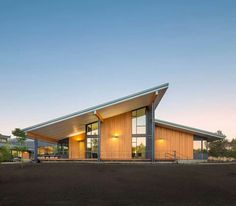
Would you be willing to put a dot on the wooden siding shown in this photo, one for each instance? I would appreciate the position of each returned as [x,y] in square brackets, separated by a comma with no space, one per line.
[116,148]
[168,140]
[41,137]
[77,147]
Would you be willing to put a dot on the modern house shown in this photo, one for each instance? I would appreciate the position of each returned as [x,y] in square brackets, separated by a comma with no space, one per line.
[123,129]
[3,139]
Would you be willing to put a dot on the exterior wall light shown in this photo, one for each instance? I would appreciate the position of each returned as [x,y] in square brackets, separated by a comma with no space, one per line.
[160,139]
[115,136]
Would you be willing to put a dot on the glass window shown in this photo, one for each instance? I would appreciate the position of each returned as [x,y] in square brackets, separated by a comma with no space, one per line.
[139,121]
[138,147]
[141,130]
[92,129]
[92,147]
[89,129]
[139,133]
[92,140]
[134,126]
[95,128]
[63,148]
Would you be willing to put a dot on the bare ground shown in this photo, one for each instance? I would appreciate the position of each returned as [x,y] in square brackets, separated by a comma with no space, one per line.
[117,184]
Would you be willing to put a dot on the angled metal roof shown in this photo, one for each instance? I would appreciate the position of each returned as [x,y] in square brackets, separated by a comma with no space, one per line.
[196,132]
[99,107]
[4,136]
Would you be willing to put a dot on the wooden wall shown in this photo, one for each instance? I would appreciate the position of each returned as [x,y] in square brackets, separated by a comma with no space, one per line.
[77,146]
[168,140]
[116,148]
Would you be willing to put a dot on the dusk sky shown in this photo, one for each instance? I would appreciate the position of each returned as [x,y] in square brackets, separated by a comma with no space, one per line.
[58,57]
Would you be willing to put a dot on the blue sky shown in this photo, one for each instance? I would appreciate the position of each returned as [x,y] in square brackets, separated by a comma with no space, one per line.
[57,57]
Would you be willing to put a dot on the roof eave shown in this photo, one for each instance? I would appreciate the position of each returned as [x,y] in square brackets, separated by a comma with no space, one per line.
[94,108]
[195,131]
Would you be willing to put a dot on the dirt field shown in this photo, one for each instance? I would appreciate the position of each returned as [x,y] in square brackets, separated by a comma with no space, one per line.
[116,184]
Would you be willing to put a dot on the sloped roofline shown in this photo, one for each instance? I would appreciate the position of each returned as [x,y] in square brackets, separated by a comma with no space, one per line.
[94,108]
[192,130]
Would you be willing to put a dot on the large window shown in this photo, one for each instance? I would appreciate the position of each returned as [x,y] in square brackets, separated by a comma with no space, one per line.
[92,140]
[63,148]
[139,121]
[139,133]
[92,129]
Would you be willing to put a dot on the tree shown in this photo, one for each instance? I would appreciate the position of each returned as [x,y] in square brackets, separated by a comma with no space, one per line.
[20,138]
[233,144]
[218,148]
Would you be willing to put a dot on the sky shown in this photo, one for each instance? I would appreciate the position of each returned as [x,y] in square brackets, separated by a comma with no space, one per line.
[58,57]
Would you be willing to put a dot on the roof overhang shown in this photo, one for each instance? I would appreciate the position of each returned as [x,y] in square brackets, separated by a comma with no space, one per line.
[197,133]
[74,123]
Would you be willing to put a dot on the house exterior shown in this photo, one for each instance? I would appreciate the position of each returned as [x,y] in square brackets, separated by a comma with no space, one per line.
[123,129]
[3,139]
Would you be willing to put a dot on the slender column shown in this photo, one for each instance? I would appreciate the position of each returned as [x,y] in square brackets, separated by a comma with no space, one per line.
[153,133]
[99,140]
[207,149]
[35,150]
[150,133]
[202,148]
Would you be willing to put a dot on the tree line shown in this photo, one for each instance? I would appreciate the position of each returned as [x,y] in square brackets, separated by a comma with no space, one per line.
[223,148]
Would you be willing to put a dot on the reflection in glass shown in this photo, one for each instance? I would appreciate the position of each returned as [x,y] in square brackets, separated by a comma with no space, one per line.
[92,147]
[138,147]
[139,133]
[92,140]
[92,129]
[139,121]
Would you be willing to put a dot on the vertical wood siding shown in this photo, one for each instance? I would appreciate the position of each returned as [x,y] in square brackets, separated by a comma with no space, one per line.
[77,147]
[167,141]
[116,148]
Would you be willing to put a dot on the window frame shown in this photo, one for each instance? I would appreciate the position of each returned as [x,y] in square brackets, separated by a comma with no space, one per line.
[136,134]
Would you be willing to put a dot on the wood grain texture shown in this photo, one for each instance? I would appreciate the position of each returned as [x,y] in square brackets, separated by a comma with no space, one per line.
[77,147]
[116,148]
[41,137]
[168,140]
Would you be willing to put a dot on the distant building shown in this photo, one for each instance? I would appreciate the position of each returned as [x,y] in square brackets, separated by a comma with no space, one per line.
[3,139]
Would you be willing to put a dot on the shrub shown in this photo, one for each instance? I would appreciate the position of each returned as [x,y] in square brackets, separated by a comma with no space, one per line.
[5,154]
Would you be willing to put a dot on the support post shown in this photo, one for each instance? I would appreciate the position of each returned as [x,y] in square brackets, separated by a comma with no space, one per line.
[150,133]
[99,140]
[35,150]
[153,133]
[202,149]
[206,150]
